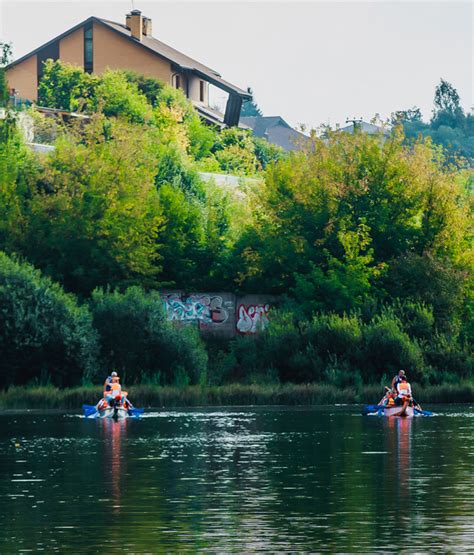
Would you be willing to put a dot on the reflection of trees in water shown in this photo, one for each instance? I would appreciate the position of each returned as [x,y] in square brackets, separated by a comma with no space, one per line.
[280,480]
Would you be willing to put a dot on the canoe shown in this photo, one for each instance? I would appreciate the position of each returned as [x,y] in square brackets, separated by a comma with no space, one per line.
[119,413]
[398,411]
[381,410]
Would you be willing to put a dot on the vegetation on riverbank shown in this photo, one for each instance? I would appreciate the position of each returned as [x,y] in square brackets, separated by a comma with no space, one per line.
[48,397]
[366,239]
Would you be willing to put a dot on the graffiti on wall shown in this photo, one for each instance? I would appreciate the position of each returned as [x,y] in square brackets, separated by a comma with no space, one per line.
[252,318]
[204,309]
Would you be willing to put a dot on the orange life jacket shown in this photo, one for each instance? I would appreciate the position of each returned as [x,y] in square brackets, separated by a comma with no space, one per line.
[404,389]
[116,389]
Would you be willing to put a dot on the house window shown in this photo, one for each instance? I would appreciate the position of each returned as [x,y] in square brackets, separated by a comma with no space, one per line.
[201,91]
[88,50]
[177,81]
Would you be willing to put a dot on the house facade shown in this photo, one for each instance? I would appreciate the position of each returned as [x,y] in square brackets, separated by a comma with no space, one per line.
[98,44]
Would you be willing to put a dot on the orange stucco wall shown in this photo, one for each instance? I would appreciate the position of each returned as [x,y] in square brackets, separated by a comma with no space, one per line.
[71,48]
[114,52]
[23,79]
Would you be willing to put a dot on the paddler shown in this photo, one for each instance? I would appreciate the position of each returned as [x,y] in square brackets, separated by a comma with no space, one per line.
[117,393]
[397,379]
[404,396]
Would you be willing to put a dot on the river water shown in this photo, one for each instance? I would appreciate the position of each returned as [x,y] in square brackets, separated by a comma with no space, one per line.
[238,480]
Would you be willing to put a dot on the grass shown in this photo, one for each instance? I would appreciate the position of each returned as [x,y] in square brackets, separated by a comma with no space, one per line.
[49,397]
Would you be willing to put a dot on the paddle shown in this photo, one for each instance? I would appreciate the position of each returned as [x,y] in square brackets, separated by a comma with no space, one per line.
[423,412]
[89,410]
[372,408]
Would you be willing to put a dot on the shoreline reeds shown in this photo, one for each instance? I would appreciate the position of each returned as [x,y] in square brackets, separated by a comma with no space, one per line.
[50,397]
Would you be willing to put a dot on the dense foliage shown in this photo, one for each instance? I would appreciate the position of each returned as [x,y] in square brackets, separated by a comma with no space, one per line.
[367,240]
[449,127]
[137,340]
[347,350]
[5,56]
[45,335]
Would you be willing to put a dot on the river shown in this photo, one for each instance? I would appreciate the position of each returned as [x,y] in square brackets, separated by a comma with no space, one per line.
[321,479]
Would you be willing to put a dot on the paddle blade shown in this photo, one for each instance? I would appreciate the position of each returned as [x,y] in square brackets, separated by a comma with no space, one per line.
[368,409]
[136,412]
[89,410]
[423,412]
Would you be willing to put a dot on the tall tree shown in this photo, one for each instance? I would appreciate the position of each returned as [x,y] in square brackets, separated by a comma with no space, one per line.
[446,98]
[250,107]
[5,57]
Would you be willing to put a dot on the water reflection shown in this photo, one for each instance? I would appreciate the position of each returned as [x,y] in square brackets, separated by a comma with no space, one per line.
[114,435]
[269,479]
[399,440]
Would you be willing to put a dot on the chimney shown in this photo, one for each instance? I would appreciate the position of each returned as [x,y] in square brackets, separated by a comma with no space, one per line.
[146,27]
[134,21]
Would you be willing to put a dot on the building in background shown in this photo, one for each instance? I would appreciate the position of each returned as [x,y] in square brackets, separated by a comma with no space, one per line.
[364,127]
[98,44]
[276,131]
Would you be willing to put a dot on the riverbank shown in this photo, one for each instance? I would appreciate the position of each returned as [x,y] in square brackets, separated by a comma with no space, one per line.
[48,397]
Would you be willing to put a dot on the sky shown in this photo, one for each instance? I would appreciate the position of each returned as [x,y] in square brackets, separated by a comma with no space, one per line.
[311,62]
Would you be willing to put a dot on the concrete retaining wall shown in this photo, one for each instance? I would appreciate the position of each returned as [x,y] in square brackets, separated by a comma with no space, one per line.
[218,313]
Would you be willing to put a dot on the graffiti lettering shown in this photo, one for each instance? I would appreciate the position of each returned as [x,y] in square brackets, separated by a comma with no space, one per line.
[252,318]
[201,308]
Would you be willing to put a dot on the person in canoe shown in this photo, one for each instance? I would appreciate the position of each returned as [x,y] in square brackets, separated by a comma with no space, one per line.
[397,379]
[404,397]
[113,393]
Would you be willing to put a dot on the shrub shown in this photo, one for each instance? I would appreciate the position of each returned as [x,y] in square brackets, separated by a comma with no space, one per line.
[432,281]
[137,340]
[387,349]
[335,336]
[416,318]
[66,87]
[44,335]
[451,361]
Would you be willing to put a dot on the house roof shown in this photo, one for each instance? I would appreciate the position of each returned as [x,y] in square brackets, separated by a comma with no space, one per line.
[365,127]
[182,61]
[276,131]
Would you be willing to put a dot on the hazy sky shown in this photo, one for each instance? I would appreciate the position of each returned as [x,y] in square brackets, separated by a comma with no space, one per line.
[311,62]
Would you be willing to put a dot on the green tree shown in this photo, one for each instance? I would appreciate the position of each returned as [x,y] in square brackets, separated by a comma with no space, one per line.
[446,98]
[250,108]
[45,335]
[14,162]
[95,218]
[67,87]
[136,339]
[5,58]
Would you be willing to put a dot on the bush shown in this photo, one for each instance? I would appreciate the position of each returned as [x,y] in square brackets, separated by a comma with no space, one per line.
[335,336]
[432,281]
[416,318]
[387,349]
[44,335]
[451,361]
[137,340]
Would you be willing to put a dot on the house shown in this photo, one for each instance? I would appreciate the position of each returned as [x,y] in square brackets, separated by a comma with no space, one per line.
[98,44]
[276,131]
[364,127]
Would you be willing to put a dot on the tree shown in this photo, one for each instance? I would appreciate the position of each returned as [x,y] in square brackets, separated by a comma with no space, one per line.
[67,87]
[402,116]
[94,214]
[329,220]
[5,57]
[250,108]
[44,334]
[136,339]
[446,98]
